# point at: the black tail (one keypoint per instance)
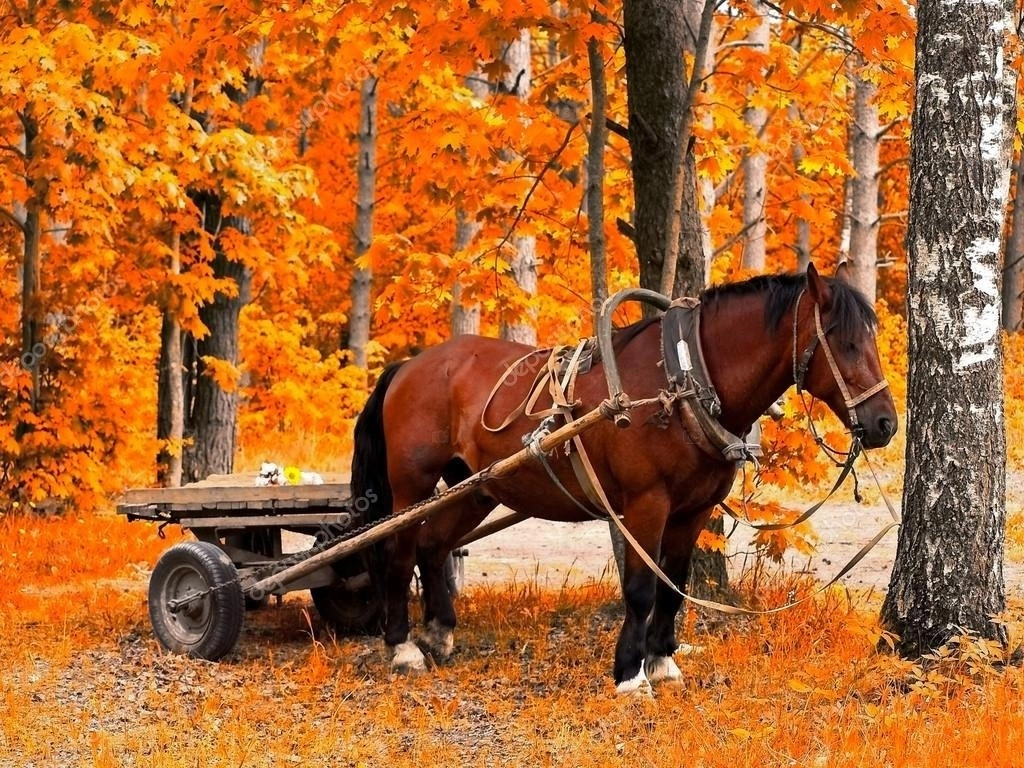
(371, 490)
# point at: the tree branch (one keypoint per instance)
(617, 128)
(5, 214)
(526, 201)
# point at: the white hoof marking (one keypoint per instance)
(635, 686)
(407, 657)
(663, 669)
(439, 639)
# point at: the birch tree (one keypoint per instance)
(948, 573)
(865, 139)
(755, 162)
(516, 82)
(366, 173)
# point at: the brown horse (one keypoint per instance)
(422, 423)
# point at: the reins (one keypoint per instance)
(561, 391)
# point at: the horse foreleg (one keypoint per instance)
(677, 544)
(638, 593)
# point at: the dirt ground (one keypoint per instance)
(573, 553)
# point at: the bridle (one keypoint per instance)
(800, 367)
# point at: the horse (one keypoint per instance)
(424, 422)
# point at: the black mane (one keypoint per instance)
(850, 310)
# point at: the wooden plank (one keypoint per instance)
(201, 494)
(267, 521)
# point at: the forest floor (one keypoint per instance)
(83, 682)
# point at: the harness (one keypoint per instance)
(688, 384)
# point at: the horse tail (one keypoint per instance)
(371, 489)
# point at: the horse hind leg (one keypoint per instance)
(438, 537)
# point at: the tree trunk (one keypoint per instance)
(30, 216)
(948, 574)
(214, 412)
(524, 264)
(1013, 272)
(656, 35)
(595, 177)
(865, 141)
(366, 173)
(170, 415)
(465, 317)
(802, 245)
(755, 163)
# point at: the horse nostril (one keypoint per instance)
(886, 426)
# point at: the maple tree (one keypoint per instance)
(141, 128)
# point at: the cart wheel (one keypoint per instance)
(352, 606)
(208, 626)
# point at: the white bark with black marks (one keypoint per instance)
(517, 82)
(948, 574)
(755, 163)
(366, 175)
(865, 140)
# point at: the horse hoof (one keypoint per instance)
(438, 640)
(663, 669)
(636, 687)
(407, 657)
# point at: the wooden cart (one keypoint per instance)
(199, 590)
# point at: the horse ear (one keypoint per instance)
(819, 289)
(843, 272)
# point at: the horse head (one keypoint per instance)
(835, 356)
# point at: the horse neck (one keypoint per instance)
(749, 365)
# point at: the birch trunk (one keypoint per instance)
(465, 315)
(865, 141)
(755, 163)
(366, 174)
(524, 263)
(948, 573)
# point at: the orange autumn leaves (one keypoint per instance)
(139, 122)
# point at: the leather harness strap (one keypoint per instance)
(694, 397)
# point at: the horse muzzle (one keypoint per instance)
(876, 430)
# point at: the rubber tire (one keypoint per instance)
(209, 628)
(350, 612)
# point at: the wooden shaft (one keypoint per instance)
(500, 523)
(404, 520)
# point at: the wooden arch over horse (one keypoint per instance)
(423, 423)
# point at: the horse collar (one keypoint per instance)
(690, 383)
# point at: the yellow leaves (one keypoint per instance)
(224, 373)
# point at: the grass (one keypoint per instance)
(83, 683)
